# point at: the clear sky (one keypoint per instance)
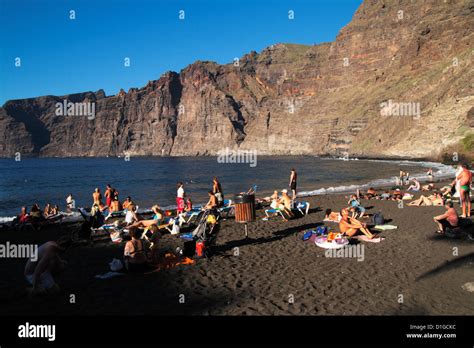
(61, 56)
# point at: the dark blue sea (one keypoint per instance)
(152, 180)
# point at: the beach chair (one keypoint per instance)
(226, 208)
(302, 207)
(275, 212)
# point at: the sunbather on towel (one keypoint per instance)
(332, 216)
(427, 187)
(350, 226)
(156, 220)
(434, 199)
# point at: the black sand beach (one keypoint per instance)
(272, 273)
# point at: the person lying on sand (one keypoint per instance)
(397, 194)
(156, 220)
(332, 216)
(386, 195)
(428, 187)
(447, 220)
(434, 199)
(371, 193)
(40, 270)
(350, 226)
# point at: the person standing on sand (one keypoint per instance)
(465, 181)
(108, 195)
(180, 198)
(70, 202)
(293, 179)
(97, 197)
(430, 174)
(217, 189)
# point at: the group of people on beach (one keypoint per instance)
(349, 219)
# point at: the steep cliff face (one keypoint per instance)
(415, 57)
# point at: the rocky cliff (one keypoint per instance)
(398, 81)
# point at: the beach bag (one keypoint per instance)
(321, 230)
(378, 218)
(307, 235)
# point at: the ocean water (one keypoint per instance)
(152, 180)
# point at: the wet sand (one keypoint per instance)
(272, 273)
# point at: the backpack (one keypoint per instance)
(379, 219)
(321, 230)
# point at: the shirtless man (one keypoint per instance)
(465, 181)
(108, 195)
(351, 226)
(97, 197)
(285, 202)
(447, 220)
(293, 178)
(212, 203)
(39, 272)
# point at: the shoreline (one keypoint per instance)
(441, 172)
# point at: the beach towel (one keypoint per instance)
(171, 260)
(187, 236)
(108, 275)
(322, 242)
(331, 245)
(364, 238)
(385, 227)
(337, 221)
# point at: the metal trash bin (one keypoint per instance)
(244, 207)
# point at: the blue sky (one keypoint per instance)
(61, 56)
